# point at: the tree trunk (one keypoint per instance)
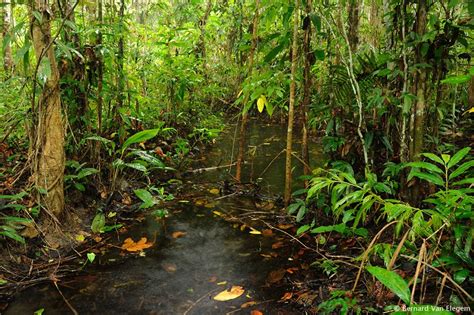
(243, 124)
(48, 146)
(100, 69)
(7, 19)
(120, 66)
(420, 85)
(307, 88)
(353, 31)
(291, 108)
(202, 37)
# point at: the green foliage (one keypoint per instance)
(393, 281)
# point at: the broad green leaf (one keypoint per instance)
(141, 136)
(461, 169)
(432, 178)
(433, 157)
(461, 275)
(275, 51)
(12, 234)
(457, 79)
(146, 197)
(425, 165)
(458, 156)
(393, 281)
(98, 223)
(90, 257)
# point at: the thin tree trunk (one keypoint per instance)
(100, 68)
(420, 82)
(7, 19)
(120, 65)
(202, 37)
(48, 146)
(307, 88)
(243, 124)
(291, 108)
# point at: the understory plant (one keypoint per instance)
(437, 235)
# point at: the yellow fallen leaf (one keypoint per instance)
(254, 231)
(221, 283)
(178, 234)
(231, 294)
(214, 191)
(80, 238)
(217, 213)
(131, 246)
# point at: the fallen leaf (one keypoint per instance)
(254, 231)
(214, 191)
(256, 312)
(80, 238)
(200, 202)
(126, 199)
(231, 294)
(217, 213)
(213, 279)
(169, 267)
(267, 232)
(221, 283)
(248, 304)
(131, 246)
(277, 245)
(276, 275)
(285, 226)
(292, 269)
(178, 234)
(98, 239)
(287, 296)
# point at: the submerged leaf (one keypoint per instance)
(131, 246)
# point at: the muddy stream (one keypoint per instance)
(181, 275)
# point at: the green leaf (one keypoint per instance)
(432, 178)
(10, 233)
(90, 257)
(393, 281)
(316, 19)
(461, 275)
(141, 136)
(425, 165)
(274, 52)
(461, 169)
(146, 197)
(98, 223)
(302, 229)
(433, 157)
(458, 156)
(446, 157)
(457, 79)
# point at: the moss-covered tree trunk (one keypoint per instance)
(7, 21)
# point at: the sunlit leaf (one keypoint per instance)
(393, 281)
(131, 246)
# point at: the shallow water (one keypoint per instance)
(181, 275)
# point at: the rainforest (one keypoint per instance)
(236, 157)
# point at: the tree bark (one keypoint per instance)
(353, 31)
(202, 37)
(291, 108)
(48, 146)
(243, 124)
(307, 89)
(100, 69)
(7, 19)
(420, 84)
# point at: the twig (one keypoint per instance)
(199, 300)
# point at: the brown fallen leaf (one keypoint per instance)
(231, 294)
(285, 226)
(287, 296)
(178, 234)
(277, 245)
(276, 275)
(131, 246)
(256, 312)
(126, 199)
(267, 232)
(248, 304)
